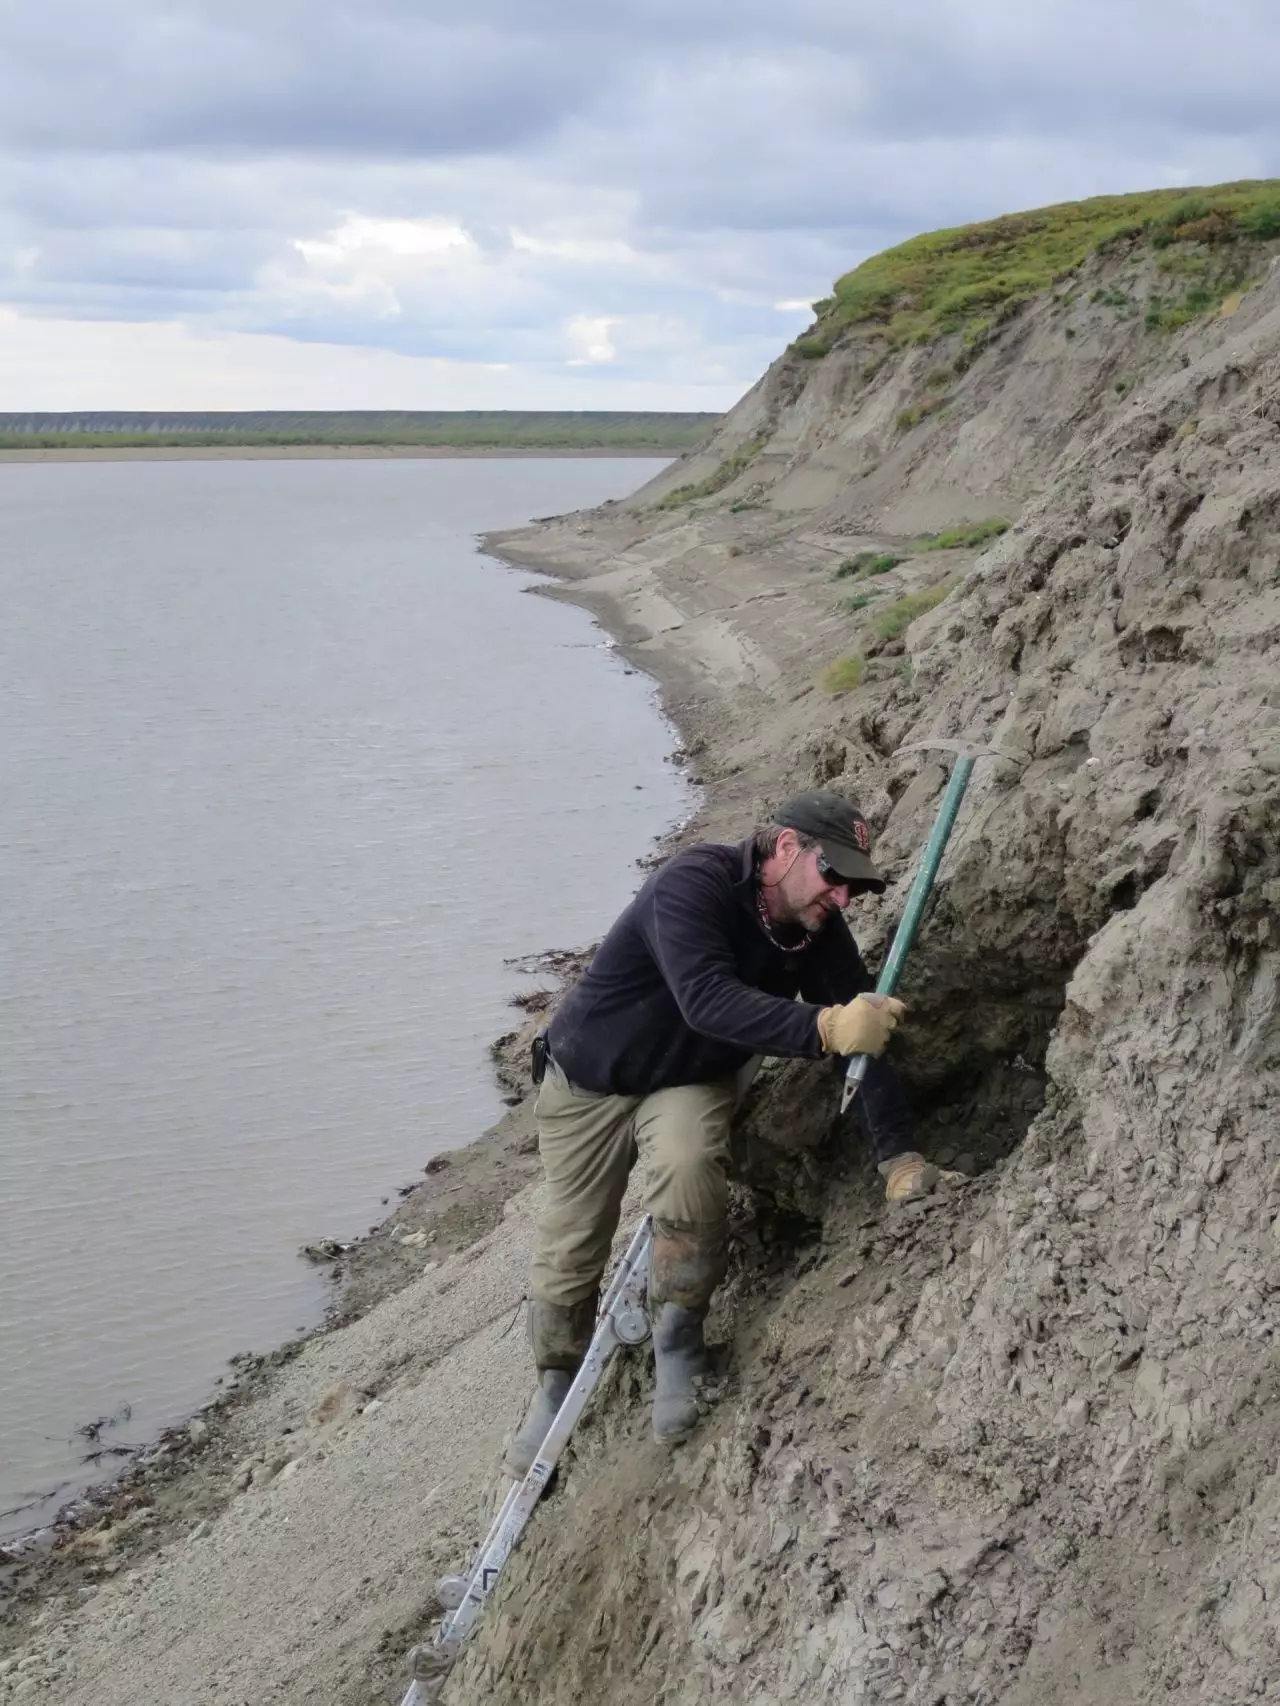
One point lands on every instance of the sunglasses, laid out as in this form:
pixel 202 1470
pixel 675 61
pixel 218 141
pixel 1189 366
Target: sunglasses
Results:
pixel 833 878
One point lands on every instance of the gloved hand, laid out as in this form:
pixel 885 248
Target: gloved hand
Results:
pixel 909 1176
pixel 862 1026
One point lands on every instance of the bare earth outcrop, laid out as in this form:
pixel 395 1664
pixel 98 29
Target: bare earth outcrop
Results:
pixel 1023 1448
pixel 1018 1447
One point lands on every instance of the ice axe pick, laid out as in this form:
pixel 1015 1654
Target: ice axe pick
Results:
pixel 967 754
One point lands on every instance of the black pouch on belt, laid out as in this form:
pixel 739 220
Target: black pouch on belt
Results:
pixel 540 1055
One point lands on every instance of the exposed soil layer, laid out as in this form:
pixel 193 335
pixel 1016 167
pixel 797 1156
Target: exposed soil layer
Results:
pixel 1022 1446
pixel 1018 1446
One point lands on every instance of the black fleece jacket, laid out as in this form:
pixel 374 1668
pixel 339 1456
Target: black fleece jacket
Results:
pixel 686 987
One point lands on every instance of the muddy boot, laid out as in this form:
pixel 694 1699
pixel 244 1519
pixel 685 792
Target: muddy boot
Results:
pixel 688 1264
pixel 559 1338
pixel 679 1362
pixel 553 1386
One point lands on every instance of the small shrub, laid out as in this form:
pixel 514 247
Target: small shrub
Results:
pixel 812 349
pixel 963 538
pixel 938 377
pixel 735 550
pixel 1186 212
pixel 855 602
pixel 1262 223
pixel 898 617
pixel 1068 331
pixel 908 418
pixel 1207 285
pixel 1117 238
pixel 1216 227
pixel 866 563
pixel 845 674
pixel 723 476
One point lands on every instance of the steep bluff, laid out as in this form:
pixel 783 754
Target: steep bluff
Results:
pixel 1022 1446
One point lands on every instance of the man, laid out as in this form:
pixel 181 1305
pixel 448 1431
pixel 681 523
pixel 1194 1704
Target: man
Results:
pixel 699 975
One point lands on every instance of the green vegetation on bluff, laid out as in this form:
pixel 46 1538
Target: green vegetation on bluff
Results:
pixel 966 278
pixel 898 617
pixel 844 674
pixel 866 563
pixel 461 429
pixel 965 537
pixel 723 476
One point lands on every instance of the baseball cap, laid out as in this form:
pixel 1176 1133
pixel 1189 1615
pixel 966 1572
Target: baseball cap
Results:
pixel 840 830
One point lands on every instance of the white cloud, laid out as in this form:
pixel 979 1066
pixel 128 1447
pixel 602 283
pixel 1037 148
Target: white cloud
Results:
pixel 96 364
pixel 589 340
pixel 556 193
pixel 359 235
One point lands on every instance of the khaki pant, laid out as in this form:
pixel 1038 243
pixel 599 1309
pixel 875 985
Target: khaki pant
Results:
pixel 589 1144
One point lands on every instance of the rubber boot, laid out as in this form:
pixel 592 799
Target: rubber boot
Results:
pixel 553 1386
pixel 559 1338
pixel 679 1362
pixel 688 1264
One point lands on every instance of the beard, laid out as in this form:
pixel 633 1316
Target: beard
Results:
pixel 815 916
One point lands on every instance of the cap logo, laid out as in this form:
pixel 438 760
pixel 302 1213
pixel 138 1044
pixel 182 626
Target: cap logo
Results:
pixel 861 837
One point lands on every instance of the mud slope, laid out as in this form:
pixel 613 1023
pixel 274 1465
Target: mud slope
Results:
pixel 1021 1447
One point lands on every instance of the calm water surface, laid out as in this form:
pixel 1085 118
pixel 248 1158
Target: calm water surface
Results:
pixel 288 771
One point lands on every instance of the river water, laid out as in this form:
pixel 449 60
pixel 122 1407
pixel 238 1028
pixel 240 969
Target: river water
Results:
pixel 289 771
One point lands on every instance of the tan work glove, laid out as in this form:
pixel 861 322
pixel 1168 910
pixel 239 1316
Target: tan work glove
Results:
pixel 909 1176
pixel 862 1026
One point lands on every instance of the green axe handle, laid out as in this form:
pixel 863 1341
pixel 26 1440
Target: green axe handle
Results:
pixel 921 889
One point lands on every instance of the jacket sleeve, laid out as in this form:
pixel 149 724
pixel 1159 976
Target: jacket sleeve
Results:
pixel 837 974
pixel 884 1111
pixel 684 929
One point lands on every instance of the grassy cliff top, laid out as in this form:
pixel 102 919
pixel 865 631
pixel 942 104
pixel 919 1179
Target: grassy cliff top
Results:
pixel 947 280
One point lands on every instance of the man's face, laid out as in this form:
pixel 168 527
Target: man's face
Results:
pixel 804 895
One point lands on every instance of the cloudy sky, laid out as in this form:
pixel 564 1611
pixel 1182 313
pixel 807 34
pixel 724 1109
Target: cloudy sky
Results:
pixel 546 203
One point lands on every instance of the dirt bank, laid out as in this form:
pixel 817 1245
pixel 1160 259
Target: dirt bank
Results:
pixel 1021 1448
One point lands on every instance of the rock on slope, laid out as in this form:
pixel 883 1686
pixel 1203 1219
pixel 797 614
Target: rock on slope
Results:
pixel 1022 1447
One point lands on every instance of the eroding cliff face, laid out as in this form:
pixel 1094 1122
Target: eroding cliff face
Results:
pixel 1021 1446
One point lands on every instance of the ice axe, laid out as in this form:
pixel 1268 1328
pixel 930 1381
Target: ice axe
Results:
pixel 966 754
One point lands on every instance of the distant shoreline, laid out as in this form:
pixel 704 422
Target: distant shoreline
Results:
pixel 307 452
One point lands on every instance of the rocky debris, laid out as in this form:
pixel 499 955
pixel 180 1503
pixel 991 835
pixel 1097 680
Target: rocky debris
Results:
pixel 338 1406
pixel 325 1250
